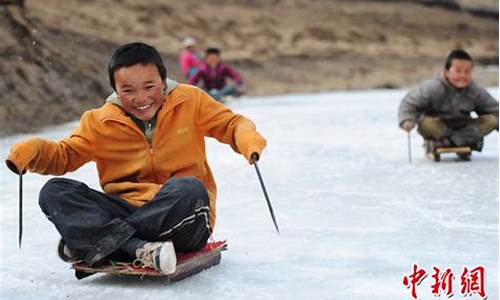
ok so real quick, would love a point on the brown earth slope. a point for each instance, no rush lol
(53, 53)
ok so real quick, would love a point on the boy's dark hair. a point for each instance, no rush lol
(135, 53)
(456, 54)
(212, 50)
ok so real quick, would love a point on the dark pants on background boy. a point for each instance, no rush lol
(95, 225)
(461, 131)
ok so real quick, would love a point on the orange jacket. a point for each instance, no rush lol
(131, 167)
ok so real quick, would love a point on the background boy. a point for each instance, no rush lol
(442, 106)
(213, 72)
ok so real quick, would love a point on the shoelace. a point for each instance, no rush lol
(145, 258)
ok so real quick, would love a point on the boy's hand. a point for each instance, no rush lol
(408, 125)
(251, 146)
(21, 155)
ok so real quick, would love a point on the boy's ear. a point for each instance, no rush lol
(165, 86)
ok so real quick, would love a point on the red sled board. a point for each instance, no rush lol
(187, 264)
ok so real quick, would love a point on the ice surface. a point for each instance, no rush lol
(354, 215)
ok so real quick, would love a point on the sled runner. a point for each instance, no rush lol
(434, 153)
(187, 264)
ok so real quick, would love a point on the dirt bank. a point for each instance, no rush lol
(54, 53)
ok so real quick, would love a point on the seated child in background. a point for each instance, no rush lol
(214, 72)
(442, 106)
(189, 60)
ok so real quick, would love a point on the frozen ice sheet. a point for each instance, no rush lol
(354, 214)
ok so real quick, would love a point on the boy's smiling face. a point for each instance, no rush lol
(140, 89)
(460, 73)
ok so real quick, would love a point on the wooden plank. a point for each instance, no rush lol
(453, 150)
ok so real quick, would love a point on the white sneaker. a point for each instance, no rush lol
(157, 255)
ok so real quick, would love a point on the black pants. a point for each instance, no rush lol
(96, 225)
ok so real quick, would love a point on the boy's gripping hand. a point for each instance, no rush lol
(251, 144)
(22, 154)
(407, 125)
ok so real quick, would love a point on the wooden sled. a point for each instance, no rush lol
(463, 153)
(187, 265)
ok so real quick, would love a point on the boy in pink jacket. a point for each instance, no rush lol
(189, 59)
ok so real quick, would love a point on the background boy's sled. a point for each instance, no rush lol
(434, 153)
(187, 264)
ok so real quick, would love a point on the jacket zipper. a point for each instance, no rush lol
(149, 145)
(151, 149)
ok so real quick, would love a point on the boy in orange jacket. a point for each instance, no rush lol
(148, 145)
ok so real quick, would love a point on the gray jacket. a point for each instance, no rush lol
(436, 97)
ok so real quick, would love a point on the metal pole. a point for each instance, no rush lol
(20, 208)
(267, 197)
(409, 147)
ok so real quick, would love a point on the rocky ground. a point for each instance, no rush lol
(54, 53)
